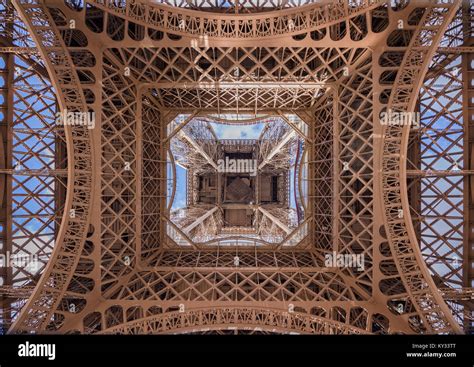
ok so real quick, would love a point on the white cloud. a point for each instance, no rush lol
(237, 131)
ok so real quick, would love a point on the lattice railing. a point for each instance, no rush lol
(184, 21)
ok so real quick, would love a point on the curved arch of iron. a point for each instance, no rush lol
(394, 185)
(73, 228)
(225, 318)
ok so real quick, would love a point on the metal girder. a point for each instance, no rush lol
(242, 85)
(456, 50)
(284, 140)
(235, 318)
(198, 148)
(200, 220)
(429, 173)
(275, 220)
(18, 50)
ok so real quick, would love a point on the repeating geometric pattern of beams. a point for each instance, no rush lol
(400, 197)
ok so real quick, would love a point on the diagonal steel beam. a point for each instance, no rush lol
(286, 138)
(275, 220)
(198, 148)
(199, 220)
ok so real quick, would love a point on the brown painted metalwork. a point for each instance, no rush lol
(114, 256)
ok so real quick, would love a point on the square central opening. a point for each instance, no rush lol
(236, 181)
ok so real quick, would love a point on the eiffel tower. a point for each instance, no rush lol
(348, 222)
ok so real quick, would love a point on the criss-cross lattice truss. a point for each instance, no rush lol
(358, 220)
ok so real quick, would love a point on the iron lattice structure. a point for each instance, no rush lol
(92, 203)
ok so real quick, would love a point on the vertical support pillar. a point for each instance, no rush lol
(164, 178)
(220, 155)
(336, 172)
(468, 158)
(312, 207)
(139, 176)
(6, 161)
